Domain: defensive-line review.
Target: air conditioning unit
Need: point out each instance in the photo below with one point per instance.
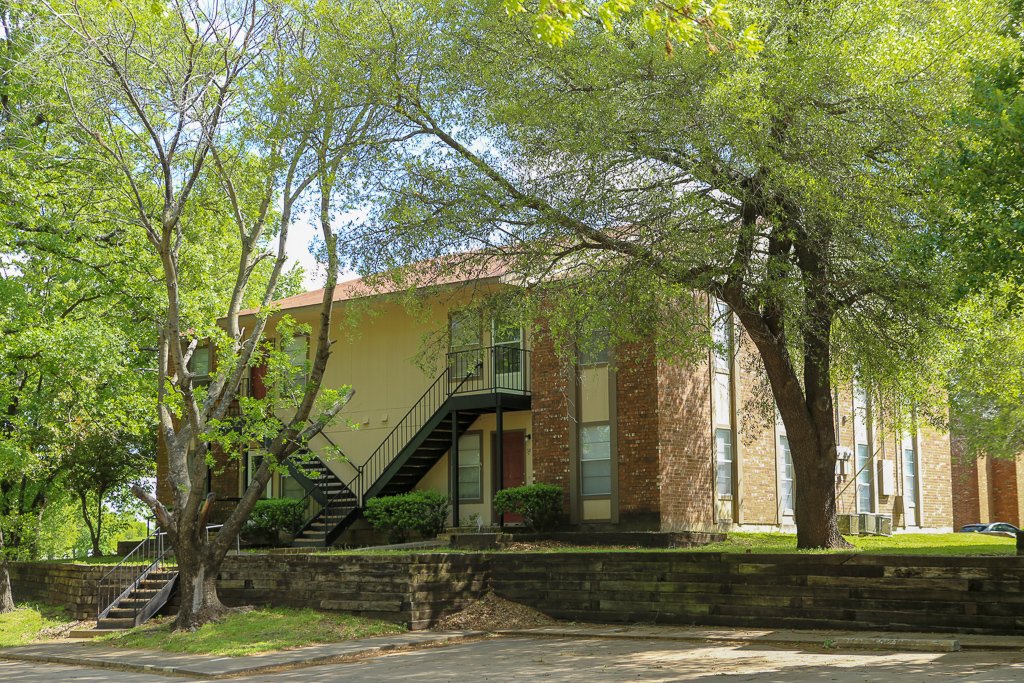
(849, 525)
(875, 525)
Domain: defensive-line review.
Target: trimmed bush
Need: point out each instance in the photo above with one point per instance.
(540, 505)
(417, 512)
(275, 515)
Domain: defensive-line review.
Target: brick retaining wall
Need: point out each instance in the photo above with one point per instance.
(951, 594)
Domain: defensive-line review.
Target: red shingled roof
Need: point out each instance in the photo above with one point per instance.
(425, 274)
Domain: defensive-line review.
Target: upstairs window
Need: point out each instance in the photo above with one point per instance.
(297, 350)
(199, 364)
(594, 350)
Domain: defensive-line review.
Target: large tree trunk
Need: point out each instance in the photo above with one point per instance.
(807, 411)
(197, 582)
(814, 458)
(6, 595)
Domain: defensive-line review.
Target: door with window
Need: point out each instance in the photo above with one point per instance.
(507, 342)
(787, 498)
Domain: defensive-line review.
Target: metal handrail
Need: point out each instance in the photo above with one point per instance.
(406, 428)
(127, 574)
(125, 577)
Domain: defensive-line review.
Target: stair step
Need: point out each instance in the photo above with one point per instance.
(115, 624)
(121, 613)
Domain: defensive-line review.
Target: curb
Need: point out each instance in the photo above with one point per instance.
(840, 642)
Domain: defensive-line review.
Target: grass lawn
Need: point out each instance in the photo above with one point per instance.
(24, 624)
(898, 544)
(253, 632)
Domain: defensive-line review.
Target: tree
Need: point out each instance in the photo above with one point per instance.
(102, 463)
(221, 121)
(789, 186)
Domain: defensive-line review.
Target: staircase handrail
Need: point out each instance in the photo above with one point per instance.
(376, 469)
(126, 575)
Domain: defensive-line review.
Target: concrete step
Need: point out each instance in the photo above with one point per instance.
(115, 624)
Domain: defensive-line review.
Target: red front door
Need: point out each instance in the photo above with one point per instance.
(514, 465)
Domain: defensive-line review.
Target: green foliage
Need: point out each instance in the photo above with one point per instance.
(418, 512)
(673, 21)
(273, 515)
(540, 505)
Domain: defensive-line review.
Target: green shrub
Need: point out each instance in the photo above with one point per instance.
(420, 512)
(273, 515)
(540, 505)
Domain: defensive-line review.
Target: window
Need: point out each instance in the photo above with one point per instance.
(862, 452)
(786, 497)
(253, 460)
(722, 335)
(594, 351)
(864, 500)
(470, 468)
(910, 477)
(724, 461)
(508, 358)
(199, 363)
(297, 350)
(596, 459)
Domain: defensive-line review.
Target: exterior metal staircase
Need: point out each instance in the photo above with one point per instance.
(141, 583)
(475, 381)
(331, 502)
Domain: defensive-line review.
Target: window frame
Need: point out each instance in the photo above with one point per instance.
(583, 460)
(479, 466)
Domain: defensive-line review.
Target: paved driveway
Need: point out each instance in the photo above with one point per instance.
(594, 660)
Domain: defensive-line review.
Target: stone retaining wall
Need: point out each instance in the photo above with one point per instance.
(58, 583)
(951, 594)
(962, 594)
(414, 589)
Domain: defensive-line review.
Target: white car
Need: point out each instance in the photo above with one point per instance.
(992, 529)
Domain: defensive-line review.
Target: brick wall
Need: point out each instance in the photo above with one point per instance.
(1002, 477)
(636, 401)
(966, 489)
(755, 442)
(685, 448)
(552, 415)
(936, 478)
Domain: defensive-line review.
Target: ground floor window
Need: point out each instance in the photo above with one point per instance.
(596, 459)
(786, 496)
(864, 479)
(470, 467)
(724, 461)
(253, 460)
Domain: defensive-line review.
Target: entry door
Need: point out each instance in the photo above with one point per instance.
(514, 467)
(507, 362)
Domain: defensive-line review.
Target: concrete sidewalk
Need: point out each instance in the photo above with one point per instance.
(85, 654)
(851, 640)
